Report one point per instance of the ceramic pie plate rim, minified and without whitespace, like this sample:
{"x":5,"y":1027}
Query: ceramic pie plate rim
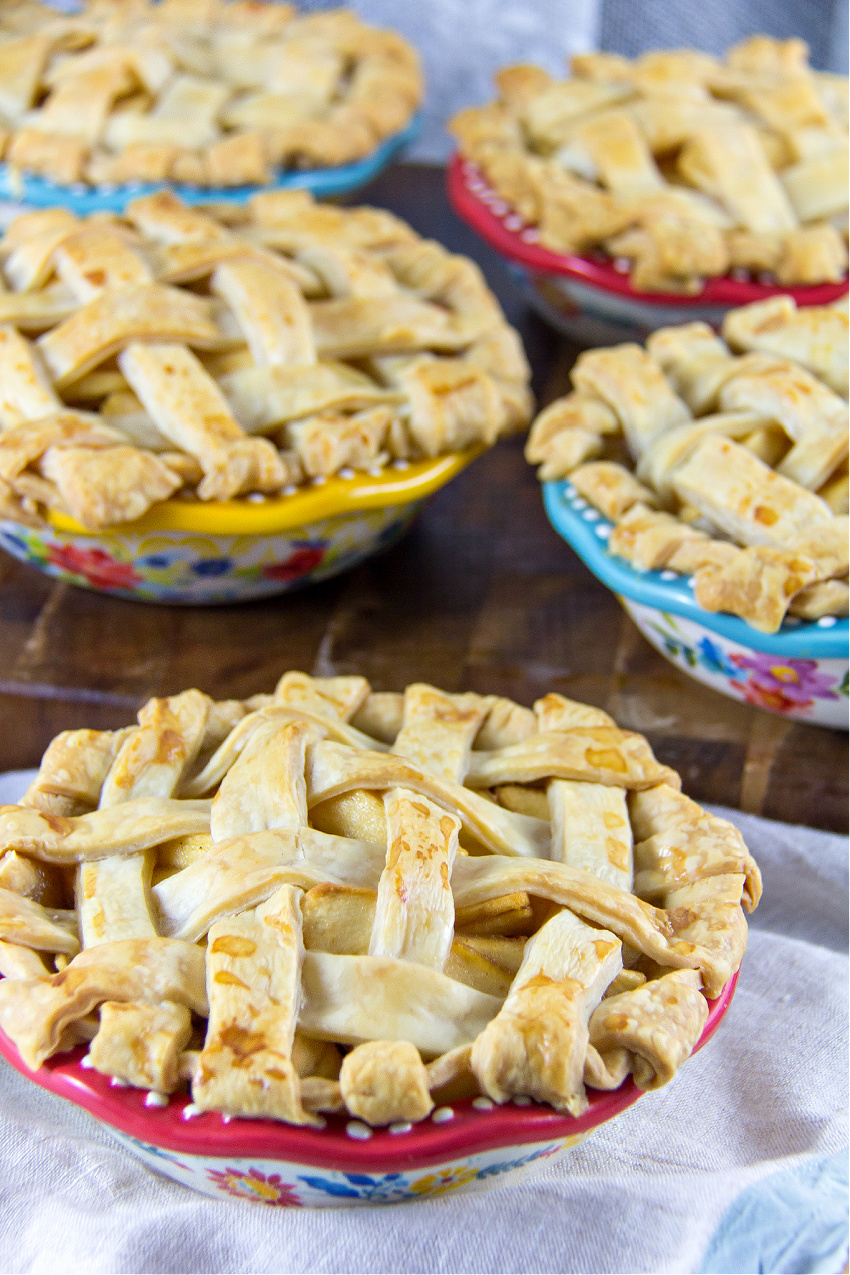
{"x":38,"y":192}
{"x":581,"y":528}
{"x":719,"y":291}
{"x":469,"y":1131}
{"x":336,"y":496}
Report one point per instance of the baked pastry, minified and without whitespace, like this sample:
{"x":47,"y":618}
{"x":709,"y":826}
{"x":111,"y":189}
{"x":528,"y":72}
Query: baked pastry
{"x":721,"y":459}
{"x":172,"y":350}
{"x":374,"y":900}
{"x":677,"y":165}
{"x":202,"y":92}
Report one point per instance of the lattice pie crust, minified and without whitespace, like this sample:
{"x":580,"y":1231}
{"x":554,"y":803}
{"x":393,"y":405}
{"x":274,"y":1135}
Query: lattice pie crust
{"x":202,"y":92}
{"x":724,"y":459}
{"x":679,"y":165}
{"x":375,"y":901}
{"x":172,"y":350}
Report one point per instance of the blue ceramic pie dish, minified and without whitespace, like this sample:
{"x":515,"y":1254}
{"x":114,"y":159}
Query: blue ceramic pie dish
{"x":37,"y":192}
{"x":800,"y":672}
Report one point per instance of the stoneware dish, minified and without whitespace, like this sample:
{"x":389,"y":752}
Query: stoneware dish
{"x":235,"y":551}
{"x":588,"y":298}
{"x":799,"y":672}
{"x":37,"y":192}
{"x":470,"y":1145}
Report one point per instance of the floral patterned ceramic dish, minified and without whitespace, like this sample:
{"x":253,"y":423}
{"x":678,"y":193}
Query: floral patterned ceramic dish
{"x":400,"y":954}
{"x":800,"y":672}
{"x":590,"y":298}
{"x":471,"y":1145}
{"x":234,"y":551}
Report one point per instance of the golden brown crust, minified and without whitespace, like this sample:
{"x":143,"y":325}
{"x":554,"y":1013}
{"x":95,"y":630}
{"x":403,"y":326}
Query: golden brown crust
{"x":749,"y":494}
{"x":149,"y":93}
{"x":141,"y":1044}
{"x":679,"y":165}
{"x":311,"y":917}
{"x":172,"y":339}
{"x":657,"y":1024}
{"x":382,"y":1081}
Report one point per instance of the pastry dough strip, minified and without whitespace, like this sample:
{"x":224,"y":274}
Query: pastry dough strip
{"x":536,"y":1044}
{"x":122,"y":829}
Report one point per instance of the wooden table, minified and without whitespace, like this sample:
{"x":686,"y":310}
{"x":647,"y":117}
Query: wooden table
{"x":481,"y":595}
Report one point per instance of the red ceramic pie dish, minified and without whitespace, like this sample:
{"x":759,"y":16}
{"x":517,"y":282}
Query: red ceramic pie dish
{"x":467,"y":1145}
{"x":567,"y":283}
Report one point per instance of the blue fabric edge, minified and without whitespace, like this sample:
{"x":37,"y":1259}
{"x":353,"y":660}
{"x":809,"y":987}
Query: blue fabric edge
{"x":793,"y":1222}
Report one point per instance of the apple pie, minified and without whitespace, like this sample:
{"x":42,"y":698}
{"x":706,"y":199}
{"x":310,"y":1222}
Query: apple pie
{"x":330,"y":899}
{"x":212,"y":355}
{"x":677,"y":165}
{"x":721,"y":458}
{"x":201,"y":92}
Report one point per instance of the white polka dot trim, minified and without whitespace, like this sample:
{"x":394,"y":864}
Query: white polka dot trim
{"x":154,"y":1099}
{"x":442,"y":1114}
{"x":359,"y":1131}
{"x":483,"y":1104}
{"x":118,"y":1083}
{"x":827,"y":622}
{"x":401,"y":1126}
{"x":86,"y":1063}
{"x":190,"y":1111}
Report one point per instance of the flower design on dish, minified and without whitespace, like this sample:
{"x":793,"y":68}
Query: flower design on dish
{"x":715,"y":660}
{"x":361,"y":1186}
{"x":783,"y":685}
{"x":303,"y":559}
{"x":95,"y":565}
{"x":212,"y":566}
{"x":251,"y":1184}
{"x":444,"y":1180}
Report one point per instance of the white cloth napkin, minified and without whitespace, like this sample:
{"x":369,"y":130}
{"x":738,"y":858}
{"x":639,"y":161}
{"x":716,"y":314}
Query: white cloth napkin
{"x":645,"y":1193}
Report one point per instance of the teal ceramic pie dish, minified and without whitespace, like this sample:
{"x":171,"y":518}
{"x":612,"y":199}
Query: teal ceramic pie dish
{"x":800,"y":672}
{"x":324,"y":183}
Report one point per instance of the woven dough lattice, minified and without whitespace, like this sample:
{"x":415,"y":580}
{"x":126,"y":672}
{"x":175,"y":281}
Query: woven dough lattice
{"x":375,"y":901}
{"x":173,"y":351}
{"x":725,"y":460}
{"x":678,"y":165}
{"x":202,"y":92}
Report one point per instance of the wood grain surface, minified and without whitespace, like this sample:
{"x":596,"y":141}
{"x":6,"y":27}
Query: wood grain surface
{"x":481,"y":595}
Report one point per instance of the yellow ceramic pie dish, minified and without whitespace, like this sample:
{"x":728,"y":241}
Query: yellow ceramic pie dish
{"x":165,"y":442}
{"x":185,"y":551}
